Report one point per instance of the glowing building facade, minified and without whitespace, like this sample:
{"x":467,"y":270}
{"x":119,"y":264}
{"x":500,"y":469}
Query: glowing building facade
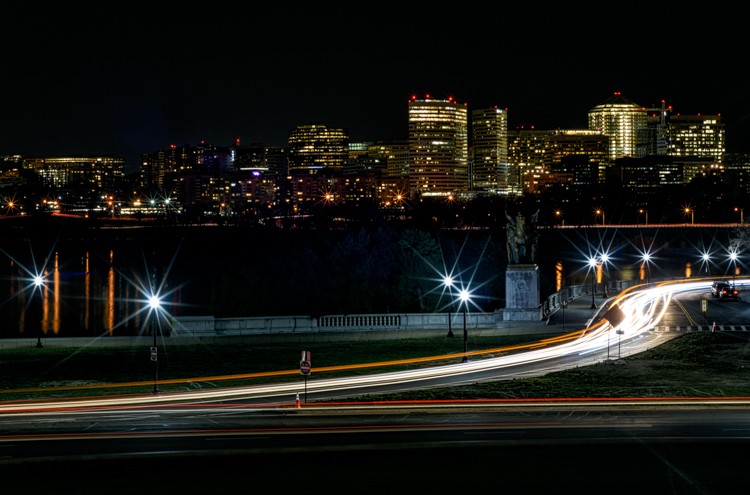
{"x":438,"y":147}
{"x":697,"y":142}
{"x":624,"y":122}
{"x":490,"y":150}
{"x":541,"y":157}
{"x":92,"y":173}
{"x":314,"y":148}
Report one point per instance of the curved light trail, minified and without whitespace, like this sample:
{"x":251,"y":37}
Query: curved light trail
{"x":640,"y":309}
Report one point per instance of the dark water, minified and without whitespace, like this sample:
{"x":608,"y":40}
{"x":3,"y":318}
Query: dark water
{"x":98,"y":284}
{"x":89,"y":289}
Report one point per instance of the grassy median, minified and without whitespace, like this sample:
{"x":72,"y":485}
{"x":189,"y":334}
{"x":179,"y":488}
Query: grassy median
{"x":690,"y":365}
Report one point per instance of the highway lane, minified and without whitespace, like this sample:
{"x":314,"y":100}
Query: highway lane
{"x":248,"y":426}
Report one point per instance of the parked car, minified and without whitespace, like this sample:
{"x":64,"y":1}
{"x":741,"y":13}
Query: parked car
{"x":722,"y":289}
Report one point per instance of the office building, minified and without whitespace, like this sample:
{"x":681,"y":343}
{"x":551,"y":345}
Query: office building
{"x":623,"y":122}
{"x":258,"y":157}
{"x":489,"y":128}
{"x":438,"y":147}
{"x":654,"y":140}
{"x":538,"y":158}
{"x":315,"y":148}
{"x":92,"y":174}
{"x":697,"y":142}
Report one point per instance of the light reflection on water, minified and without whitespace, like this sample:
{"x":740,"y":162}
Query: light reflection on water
{"x":94,"y":292}
{"x":92,"y":299}
{"x":99,"y":300}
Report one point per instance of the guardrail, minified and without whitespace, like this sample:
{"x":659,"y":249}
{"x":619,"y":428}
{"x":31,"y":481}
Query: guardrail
{"x":562,"y":297}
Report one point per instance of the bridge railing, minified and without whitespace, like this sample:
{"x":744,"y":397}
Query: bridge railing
{"x":390,"y":322}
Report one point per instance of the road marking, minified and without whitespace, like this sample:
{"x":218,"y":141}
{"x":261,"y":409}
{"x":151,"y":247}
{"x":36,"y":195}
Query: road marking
{"x":701,"y":328}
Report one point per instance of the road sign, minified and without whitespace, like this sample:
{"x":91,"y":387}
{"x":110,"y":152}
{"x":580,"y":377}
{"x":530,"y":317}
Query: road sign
{"x":154,"y":354}
{"x":304,"y":367}
{"x":704,"y":305}
{"x":305,"y":364}
{"x":614,"y":315}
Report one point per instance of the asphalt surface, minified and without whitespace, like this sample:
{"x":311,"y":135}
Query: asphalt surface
{"x":579,"y":312}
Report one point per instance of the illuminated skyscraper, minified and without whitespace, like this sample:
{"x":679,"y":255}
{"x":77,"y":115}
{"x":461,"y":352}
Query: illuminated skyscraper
{"x":625,"y":124}
{"x":314,"y":148}
{"x":697,"y":142}
{"x":489,"y":128}
{"x":438,"y":147}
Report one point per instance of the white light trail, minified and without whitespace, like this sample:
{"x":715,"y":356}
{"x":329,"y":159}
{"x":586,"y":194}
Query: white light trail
{"x":642,"y":309}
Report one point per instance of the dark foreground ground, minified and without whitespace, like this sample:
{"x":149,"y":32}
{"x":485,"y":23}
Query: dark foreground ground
{"x":669,"y":467}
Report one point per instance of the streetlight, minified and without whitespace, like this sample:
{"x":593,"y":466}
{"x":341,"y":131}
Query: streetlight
{"x":601,"y":212}
{"x":646,"y":258}
{"x":448,"y":282}
{"x":692,"y":215}
{"x":605,"y":259}
{"x":558,"y":215}
{"x":464,"y":296}
{"x":742,"y":215}
{"x":706,"y":257}
{"x":38,"y":283}
{"x":646,"y":212}
{"x":154,"y":304}
{"x":592,"y":267}
{"x":733,"y":258}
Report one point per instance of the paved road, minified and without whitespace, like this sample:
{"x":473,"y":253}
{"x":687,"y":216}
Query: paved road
{"x":685,"y":313}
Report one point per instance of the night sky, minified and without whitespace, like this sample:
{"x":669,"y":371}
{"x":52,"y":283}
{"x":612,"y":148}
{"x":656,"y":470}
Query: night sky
{"x":93,"y":79}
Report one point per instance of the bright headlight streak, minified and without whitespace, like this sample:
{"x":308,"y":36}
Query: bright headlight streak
{"x":643,"y":309}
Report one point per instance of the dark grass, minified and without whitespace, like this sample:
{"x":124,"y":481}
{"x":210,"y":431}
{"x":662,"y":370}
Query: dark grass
{"x":691,"y":365}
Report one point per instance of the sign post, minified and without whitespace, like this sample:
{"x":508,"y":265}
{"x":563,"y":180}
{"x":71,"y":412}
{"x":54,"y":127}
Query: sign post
{"x":304,"y":368}
{"x":614,"y":316}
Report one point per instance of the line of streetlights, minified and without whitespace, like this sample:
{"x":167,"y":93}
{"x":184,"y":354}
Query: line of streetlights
{"x":464,"y":296}
{"x":642,"y":211}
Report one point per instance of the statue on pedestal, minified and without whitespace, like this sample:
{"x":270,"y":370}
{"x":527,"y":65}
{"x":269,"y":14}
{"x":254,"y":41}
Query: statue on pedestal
{"x":522,"y":239}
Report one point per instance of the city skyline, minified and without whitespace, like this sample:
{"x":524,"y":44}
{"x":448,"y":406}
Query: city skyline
{"x":83,"y":81}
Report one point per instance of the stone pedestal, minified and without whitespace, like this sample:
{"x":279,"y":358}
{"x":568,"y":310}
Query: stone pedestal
{"x":522,"y":290}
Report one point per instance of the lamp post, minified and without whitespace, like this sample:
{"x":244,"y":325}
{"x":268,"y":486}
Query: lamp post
{"x":742,"y":215}
{"x":464,"y":295}
{"x":645,"y":212}
{"x":592,"y":267}
{"x":448,"y":282}
{"x":38,"y":283}
{"x":605,"y":259}
{"x":733,"y":258}
{"x":692,"y":215}
{"x":706,"y":260}
{"x":154,"y":303}
{"x":601,"y":212}
{"x":646,"y":258}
